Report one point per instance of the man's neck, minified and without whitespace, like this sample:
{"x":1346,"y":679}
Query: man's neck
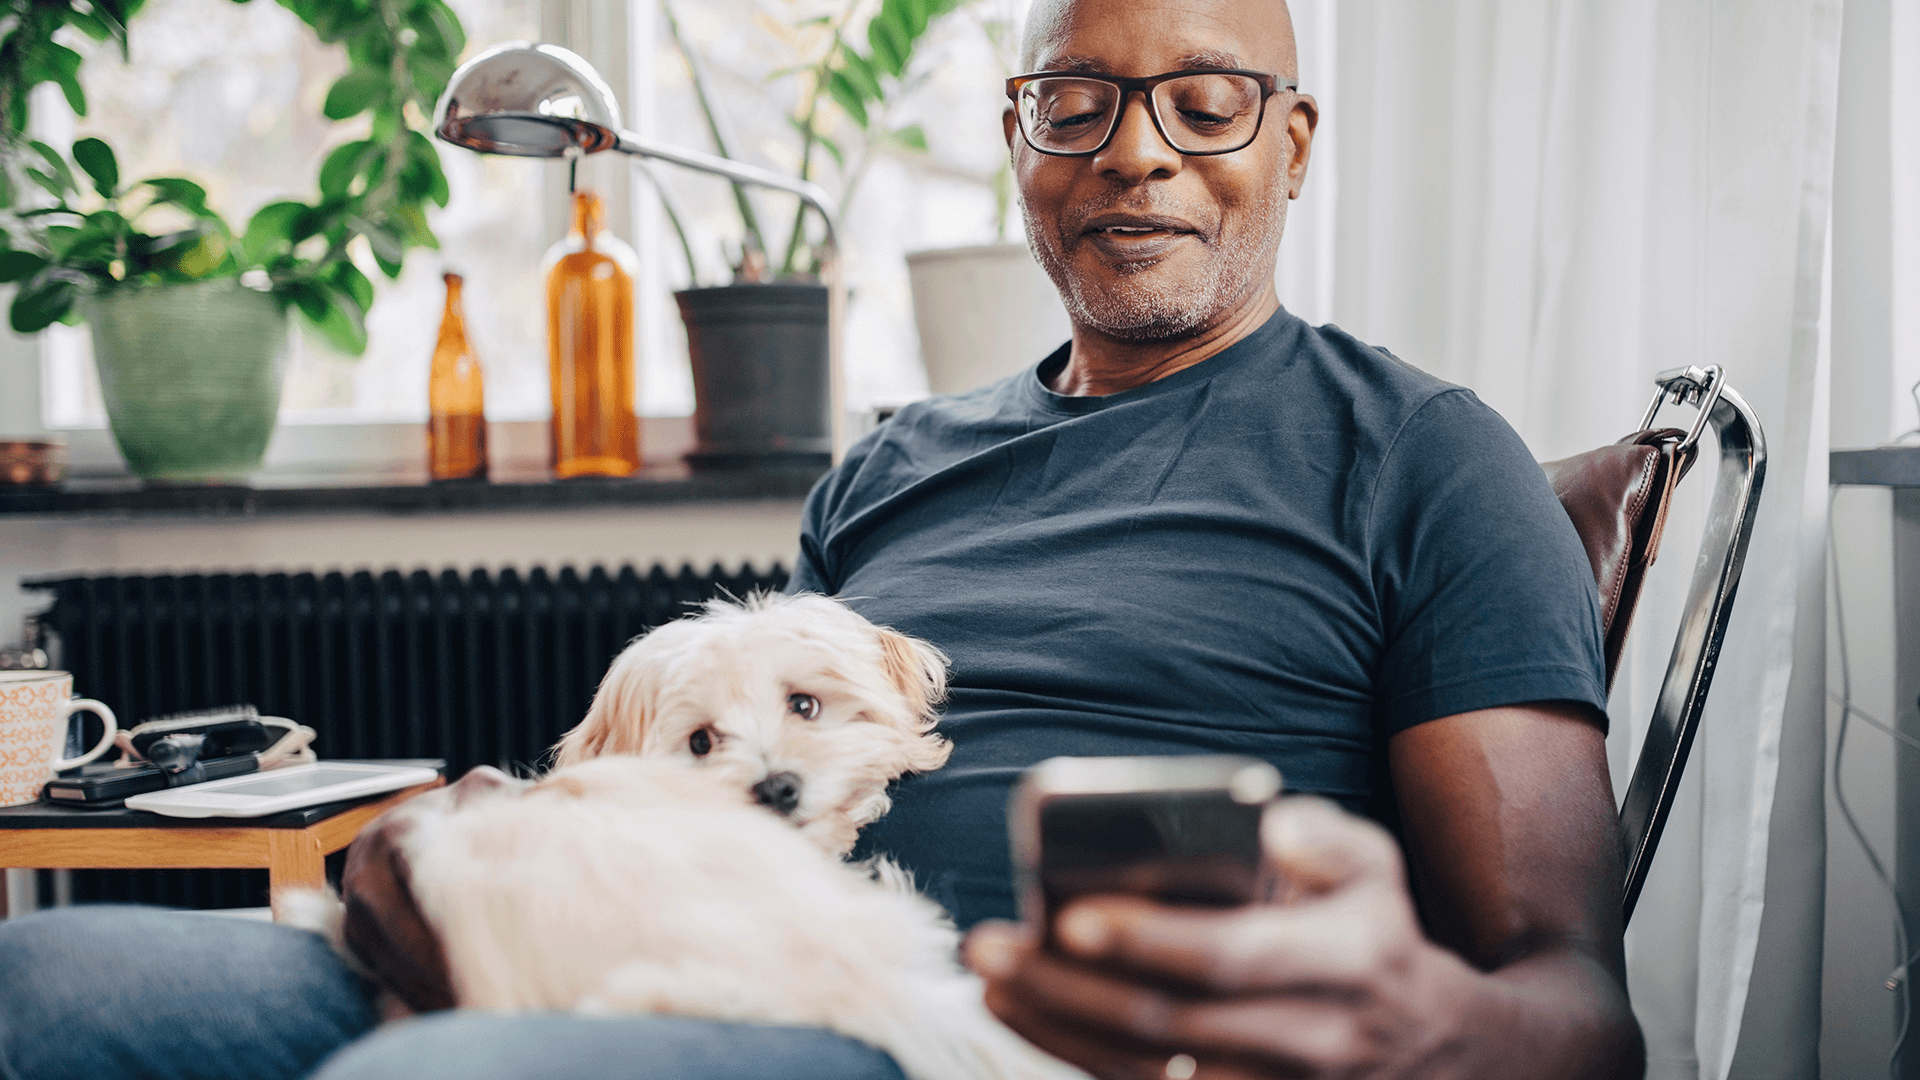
{"x":1101,"y":365}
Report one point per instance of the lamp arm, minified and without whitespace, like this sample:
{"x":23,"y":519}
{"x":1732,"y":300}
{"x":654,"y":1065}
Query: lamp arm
{"x":810,"y":193}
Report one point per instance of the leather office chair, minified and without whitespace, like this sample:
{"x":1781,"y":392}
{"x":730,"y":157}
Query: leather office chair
{"x":1618,"y":497}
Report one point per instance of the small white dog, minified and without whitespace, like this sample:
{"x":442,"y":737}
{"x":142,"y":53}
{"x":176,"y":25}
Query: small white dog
{"x":627,"y":884}
{"x":798,"y":700}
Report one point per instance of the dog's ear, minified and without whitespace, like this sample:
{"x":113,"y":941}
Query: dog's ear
{"x":616,"y":722}
{"x":917,"y":668}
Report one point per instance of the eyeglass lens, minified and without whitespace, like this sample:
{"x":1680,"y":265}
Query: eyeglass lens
{"x":1199,"y":114}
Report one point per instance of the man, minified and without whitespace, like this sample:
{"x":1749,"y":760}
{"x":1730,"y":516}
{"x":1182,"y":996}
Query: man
{"x":1203,"y":526}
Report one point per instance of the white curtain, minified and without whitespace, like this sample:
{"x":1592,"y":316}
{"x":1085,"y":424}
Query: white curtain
{"x":1549,"y":201}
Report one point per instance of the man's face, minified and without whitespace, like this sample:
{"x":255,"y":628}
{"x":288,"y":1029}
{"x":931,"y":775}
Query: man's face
{"x":1143,"y":242}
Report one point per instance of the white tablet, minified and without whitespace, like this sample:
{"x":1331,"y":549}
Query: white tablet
{"x":260,"y":794}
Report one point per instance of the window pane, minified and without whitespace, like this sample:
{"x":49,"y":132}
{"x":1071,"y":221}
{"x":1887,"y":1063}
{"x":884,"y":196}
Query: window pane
{"x":904,"y":200}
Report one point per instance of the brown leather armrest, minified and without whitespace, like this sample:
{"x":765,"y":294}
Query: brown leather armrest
{"x":1617,"y":497}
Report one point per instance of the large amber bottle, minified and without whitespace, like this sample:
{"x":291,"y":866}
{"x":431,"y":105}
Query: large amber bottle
{"x":590,"y":347}
{"x":456,"y":400}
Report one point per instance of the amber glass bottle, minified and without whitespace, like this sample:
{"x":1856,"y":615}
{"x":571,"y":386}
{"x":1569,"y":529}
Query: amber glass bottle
{"x":590,"y":347}
{"x":456,"y":400}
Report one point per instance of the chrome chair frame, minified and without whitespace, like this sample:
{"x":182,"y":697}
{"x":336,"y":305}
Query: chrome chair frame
{"x":1703,"y":624}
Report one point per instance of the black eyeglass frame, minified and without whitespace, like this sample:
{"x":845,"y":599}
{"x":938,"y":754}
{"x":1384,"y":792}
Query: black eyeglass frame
{"x":1270,"y":84}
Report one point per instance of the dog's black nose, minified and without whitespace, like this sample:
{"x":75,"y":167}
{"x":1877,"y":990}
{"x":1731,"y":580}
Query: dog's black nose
{"x":779,"y":792}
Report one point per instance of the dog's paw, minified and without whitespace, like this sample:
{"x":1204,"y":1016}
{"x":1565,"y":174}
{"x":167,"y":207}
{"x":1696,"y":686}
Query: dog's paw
{"x":315,"y":910}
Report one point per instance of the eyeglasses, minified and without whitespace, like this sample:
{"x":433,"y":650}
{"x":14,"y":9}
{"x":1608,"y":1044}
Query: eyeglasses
{"x":1199,"y":112}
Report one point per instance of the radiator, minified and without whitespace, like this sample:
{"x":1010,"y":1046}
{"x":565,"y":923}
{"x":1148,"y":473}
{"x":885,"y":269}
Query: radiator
{"x":476,"y":668}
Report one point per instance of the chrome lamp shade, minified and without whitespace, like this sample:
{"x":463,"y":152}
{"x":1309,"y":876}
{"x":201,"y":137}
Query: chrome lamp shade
{"x":529,"y":101}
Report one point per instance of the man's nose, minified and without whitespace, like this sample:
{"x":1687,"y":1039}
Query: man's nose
{"x":779,"y":792}
{"x":1137,"y":152}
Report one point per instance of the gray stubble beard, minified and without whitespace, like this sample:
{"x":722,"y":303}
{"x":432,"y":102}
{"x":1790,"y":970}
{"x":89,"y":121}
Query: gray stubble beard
{"x":1160,"y":310}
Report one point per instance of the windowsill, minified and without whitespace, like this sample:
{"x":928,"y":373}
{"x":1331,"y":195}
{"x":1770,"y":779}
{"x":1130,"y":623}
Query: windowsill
{"x":362,"y":471}
{"x":126,"y":497}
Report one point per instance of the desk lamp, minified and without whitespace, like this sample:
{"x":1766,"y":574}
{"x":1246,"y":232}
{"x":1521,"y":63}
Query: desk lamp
{"x":530,"y":100}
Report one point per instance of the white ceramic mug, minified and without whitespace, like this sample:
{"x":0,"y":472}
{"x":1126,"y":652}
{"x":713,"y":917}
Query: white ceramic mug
{"x":34,"y":706}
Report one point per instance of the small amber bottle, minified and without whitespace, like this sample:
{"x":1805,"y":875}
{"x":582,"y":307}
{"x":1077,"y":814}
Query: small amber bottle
{"x":590,"y":347}
{"x":456,"y":400}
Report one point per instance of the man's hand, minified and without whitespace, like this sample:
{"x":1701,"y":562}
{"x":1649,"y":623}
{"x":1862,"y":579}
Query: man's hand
{"x":1336,"y":980}
{"x":1517,"y":971}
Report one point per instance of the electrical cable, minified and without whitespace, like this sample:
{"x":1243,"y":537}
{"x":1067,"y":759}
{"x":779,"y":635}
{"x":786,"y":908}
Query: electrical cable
{"x":1897,"y":981}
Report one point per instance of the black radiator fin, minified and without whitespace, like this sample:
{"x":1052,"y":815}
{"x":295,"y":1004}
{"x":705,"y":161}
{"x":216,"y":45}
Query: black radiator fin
{"x":476,"y":668}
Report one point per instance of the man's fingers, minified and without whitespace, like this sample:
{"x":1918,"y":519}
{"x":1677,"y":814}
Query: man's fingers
{"x":1316,"y":847}
{"x":1332,"y":944}
{"x":1073,"y":995}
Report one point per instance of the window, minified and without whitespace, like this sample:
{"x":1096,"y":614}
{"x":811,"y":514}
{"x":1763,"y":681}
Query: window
{"x":229,"y":94}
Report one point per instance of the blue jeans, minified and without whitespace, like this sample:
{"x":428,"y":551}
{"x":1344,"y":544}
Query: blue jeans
{"x":112,"y":991}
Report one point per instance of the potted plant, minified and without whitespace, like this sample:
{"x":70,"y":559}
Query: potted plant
{"x":758,"y":345}
{"x":189,"y":317}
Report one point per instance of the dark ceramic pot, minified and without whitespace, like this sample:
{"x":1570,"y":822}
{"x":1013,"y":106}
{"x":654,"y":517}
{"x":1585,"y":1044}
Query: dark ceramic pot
{"x":760,"y":377}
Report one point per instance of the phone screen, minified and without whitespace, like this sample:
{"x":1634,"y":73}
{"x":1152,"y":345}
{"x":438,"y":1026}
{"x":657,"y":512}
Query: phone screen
{"x":1179,"y":847}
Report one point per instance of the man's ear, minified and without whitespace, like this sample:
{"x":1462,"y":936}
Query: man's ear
{"x":1302,"y":120}
{"x":1010,"y":125}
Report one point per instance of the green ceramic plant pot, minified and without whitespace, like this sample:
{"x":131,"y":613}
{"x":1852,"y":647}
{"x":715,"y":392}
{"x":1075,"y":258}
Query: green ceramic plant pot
{"x":191,"y":376}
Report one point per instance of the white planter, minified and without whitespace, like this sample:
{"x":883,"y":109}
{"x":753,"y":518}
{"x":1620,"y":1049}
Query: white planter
{"x":984,"y":313}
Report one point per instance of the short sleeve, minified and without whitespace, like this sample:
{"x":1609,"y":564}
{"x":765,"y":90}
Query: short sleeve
{"x":813,"y":570}
{"x":1486,"y":596}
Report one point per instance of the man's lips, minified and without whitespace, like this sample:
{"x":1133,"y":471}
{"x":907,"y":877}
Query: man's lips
{"x":1134,"y":237}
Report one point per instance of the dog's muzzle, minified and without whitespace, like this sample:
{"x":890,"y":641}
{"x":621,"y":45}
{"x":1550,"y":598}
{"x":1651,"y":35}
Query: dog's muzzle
{"x":779,"y":792}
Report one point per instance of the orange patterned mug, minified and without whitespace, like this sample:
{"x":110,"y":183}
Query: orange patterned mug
{"x":34,"y":706}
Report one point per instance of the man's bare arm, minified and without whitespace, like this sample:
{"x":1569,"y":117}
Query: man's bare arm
{"x":1511,"y":832}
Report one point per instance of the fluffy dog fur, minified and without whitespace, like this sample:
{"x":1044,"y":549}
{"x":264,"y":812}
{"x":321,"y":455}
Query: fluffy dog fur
{"x":725,"y":681}
{"x":627,"y":884}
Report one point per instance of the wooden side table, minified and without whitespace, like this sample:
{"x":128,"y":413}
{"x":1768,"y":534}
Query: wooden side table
{"x":291,"y":847}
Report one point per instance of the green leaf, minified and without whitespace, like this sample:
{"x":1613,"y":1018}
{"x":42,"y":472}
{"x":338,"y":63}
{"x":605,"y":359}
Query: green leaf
{"x":65,"y":64}
{"x":58,"y":165}
{"x":97,"y":158}
{"x":430,"y":74}
{"x":39,"y":306}
{"x":311,"y":299}
{"x":890,"y":44}
{"x":335,"y":315}
{"x":448,"y":25}
{"x":52,"y":184}
{"x":6,"y":189}
{"x":349,"y":280}
{"x":274,"y":229}
{"x":849,"y":98}
{"x":386,"y":245}
{"x":89,"y":24}
{"x":345,"y":162}
{"x":912,"y":16}
{"x":353,"y":92}
{"x":913,"y":137}
{"x":421,"y":150}
{"x":19,"y":265}
{"x":183,"y":193}
{"x":861,"y":74}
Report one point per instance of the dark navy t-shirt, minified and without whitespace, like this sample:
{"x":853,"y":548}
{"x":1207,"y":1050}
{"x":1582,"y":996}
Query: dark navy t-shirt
{"x":1293,"y":550}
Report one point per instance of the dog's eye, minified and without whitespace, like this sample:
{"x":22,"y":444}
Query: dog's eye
{"x":805,"y":706}
{"x":701,"y":743}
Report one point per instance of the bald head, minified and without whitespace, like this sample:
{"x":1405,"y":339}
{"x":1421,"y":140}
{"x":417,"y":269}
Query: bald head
{"x":1050,"y":25}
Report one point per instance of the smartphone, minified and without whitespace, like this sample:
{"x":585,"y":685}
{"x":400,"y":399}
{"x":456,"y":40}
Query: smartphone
{"x":1181,"y":830}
